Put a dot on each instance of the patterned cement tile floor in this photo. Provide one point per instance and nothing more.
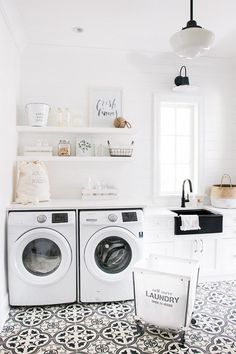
(111, 329)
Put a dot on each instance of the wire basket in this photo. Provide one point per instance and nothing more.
(121, 151)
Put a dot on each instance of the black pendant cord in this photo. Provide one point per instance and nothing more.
(191, 10)
(191, 23)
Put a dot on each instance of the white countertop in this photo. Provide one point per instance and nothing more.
(80, 204)
(150, 209)
(222, 211)
(159, 211)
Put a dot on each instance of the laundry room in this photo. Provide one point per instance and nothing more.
(118, 164)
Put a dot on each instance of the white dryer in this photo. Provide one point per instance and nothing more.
(41, 257)
(110, 242)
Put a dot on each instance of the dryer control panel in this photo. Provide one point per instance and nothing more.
(108, 217)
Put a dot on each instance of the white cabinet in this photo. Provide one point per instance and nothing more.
(216, 252)
(226, 248)
(158, 234)
(161, 248)
(199, 247)
(207, 255)
(185, 248)
(158, 228)
(226, 256)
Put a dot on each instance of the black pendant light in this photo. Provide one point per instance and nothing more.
(192, 40)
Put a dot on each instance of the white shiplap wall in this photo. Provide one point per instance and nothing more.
(61, 76)
(9, 75)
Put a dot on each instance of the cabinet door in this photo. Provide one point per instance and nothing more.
(207, 255)
(186, 248)
(161, 248)
(204, 250)
(226, 256)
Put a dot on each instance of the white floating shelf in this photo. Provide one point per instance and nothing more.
(73, 158)
(75, 130)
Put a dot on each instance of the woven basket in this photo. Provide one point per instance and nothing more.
(224, 195)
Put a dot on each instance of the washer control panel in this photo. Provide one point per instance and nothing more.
(112, 217)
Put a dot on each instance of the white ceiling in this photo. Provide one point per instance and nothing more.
(140, 25)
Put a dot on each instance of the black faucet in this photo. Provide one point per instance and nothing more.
(183, 199)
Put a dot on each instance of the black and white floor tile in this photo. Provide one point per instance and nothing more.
(111, 328)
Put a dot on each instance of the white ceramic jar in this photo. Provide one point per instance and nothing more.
(37, 114)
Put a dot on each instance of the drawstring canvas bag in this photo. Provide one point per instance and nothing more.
(33, 183)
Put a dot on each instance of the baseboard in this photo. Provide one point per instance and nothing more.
(4, 311)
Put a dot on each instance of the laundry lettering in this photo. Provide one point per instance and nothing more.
(163, 298)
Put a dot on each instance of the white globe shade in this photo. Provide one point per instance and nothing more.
(192, 42)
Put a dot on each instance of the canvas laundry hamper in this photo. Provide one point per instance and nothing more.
(164, 291)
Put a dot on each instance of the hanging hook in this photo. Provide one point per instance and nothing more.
(185, 70)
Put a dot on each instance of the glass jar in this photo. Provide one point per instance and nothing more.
(64, 147)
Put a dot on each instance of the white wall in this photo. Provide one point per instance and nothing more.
(61, 76)
(9, 66)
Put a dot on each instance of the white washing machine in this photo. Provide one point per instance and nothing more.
(41, 257)
(110, 242)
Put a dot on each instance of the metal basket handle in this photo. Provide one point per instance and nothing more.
(108, 142)
(229, 178)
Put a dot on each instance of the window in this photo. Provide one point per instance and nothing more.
(177, 146)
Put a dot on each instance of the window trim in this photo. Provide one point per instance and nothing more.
(197, 101)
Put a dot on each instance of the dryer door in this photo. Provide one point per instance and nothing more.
(111, 252)
(42, 256)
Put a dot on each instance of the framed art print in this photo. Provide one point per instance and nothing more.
(105, 104)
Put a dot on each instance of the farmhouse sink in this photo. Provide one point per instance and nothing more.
(209, 222)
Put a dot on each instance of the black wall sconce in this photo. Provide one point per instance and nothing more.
(182, 82)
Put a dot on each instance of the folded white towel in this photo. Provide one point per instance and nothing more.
(189, 222)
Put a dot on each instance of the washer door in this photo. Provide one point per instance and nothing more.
(111, 252)
(41, 256)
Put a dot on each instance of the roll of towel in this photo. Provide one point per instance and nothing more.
(189, 222)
